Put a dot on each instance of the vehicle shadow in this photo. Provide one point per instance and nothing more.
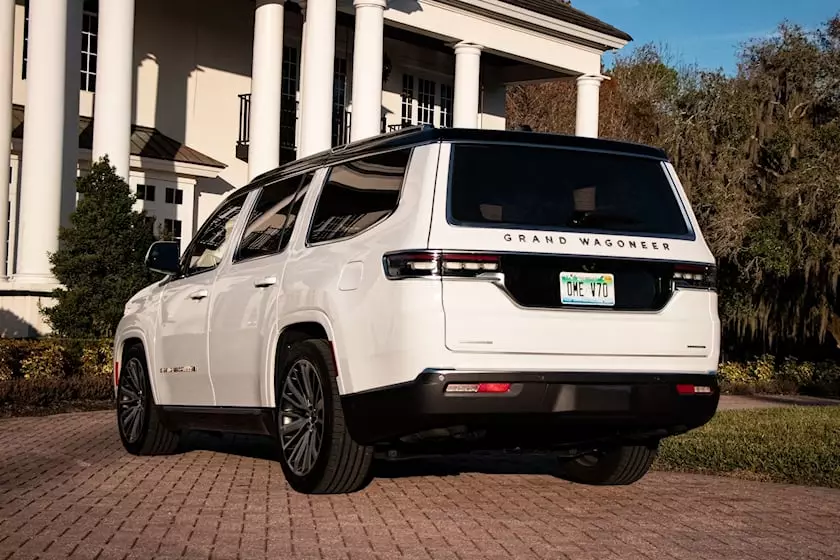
(265, 448)
(251, 446)
(476, 463)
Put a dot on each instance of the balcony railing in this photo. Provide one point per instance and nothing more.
(244, 126)
(400, 126)
(288, 127)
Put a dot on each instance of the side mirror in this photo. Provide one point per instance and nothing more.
(164, 257)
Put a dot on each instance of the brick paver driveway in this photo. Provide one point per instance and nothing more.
(67, 489)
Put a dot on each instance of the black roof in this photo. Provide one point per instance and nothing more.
(554, 9)
(419, 135)
(146, 142)
(565, 12)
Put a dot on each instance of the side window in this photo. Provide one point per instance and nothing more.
(273, 218)
(358, 195)
(208, 248)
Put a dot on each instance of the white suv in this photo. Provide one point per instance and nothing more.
(433, 290)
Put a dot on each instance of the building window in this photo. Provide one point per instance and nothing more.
(430, 103)
(358, 195)
(407, 100)
(90, 24)
(172, 228)
(174, 196)
(425, 102)
(288, 104)
(90, 29)
(339, 134)
(447, 104)
(25, 39)
(146, 192)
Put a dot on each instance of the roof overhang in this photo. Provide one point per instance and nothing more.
(536, 21)
(503, 30)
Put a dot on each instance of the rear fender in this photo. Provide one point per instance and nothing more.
(273, 352)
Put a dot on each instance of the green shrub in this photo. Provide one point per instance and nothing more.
(826, 379)
(800, 373)
(47, 360)
(762, 369)
(97, 360)
(788, 376)
(12, 353)
(734, 372)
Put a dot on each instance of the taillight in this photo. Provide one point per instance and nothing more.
(695, 276)
(416, 264)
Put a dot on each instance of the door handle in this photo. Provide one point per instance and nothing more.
(265, 282)
(200, 294)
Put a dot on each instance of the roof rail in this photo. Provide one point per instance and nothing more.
(393, 134)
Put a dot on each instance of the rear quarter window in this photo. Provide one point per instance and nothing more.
(358, 195)
(532, 187)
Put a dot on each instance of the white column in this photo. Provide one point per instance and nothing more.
(48, 166)
(467, 85)
(317, 77)
(588, 91)
(112, 101)
(7, 53)
(266, 84)
(367, 69)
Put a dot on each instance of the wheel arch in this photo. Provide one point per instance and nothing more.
(300, 326)
(128, 339)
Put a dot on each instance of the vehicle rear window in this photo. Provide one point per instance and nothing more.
(563, 189)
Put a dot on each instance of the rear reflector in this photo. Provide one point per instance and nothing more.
(694, 390)
(478, 388)
(116, 373)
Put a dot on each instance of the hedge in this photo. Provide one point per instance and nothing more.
(46, 371)
(767, 374)
(49, 373)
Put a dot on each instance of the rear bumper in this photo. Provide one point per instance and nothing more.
(542, 409)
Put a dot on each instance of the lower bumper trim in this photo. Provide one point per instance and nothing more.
(540, 408)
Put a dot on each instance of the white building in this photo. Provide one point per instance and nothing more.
(191, 98)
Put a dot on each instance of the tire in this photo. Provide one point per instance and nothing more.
(338, 464)
(138, 419)
(614, 467)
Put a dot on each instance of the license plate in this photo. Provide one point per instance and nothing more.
(585, 288)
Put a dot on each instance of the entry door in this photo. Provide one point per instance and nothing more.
(183, 372)
(243, 312)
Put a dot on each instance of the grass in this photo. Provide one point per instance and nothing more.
(797, 445)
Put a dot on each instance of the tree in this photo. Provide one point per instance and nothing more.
(100, 260)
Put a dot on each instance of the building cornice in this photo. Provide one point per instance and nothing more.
(532, 21)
